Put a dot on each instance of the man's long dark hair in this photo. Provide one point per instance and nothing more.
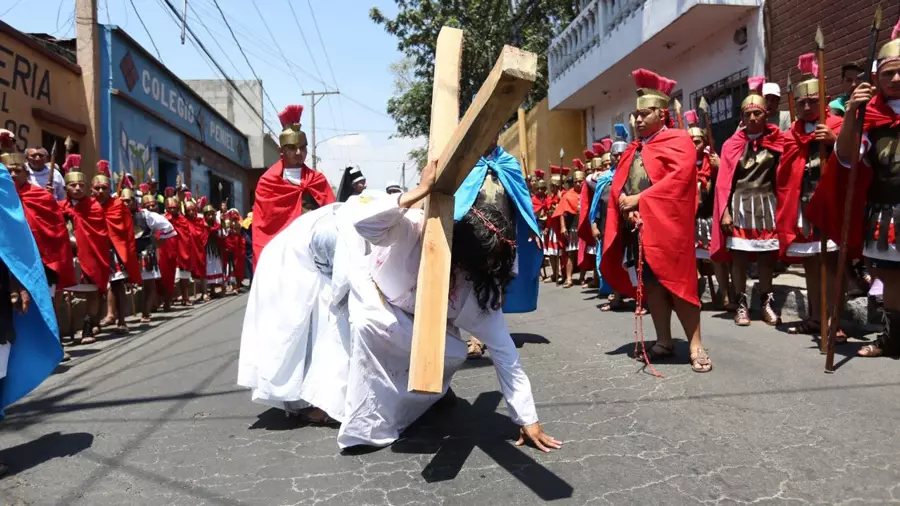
(484, 249)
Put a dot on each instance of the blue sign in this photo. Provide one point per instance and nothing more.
(141, 78)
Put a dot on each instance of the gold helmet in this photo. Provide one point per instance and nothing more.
(127, 193)
(653, 90)
(149, 199)
(208, 208)
(103, 174)
(13, 159)
(290, 120)
(810, 87)
(72, 167)
(755, 100)
(695, 132)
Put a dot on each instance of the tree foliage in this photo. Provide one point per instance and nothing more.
(488, 26)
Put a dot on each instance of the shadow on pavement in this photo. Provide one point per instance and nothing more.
(34, 453)
(453, 428)
(522, 338)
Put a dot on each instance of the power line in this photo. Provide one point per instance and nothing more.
(277, 46)
(158, 55)
(303, 37)
(216, 63)
(241, 49)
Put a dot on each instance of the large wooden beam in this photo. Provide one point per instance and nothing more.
(501, 94)
(427, 355)
(523, 141)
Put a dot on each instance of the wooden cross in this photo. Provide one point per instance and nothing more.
(458, 145)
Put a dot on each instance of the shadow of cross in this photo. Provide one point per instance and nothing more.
(452, 435)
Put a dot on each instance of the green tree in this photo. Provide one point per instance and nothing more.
(488, 26)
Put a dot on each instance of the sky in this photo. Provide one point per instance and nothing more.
(355, 60)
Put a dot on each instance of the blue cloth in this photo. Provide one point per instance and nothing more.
(603, 182)
(36, 351)
(521, 292)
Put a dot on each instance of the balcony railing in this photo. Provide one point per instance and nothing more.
(587, 30)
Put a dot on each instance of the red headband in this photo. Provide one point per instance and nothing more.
(490, 226)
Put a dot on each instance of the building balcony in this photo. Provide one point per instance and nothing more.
(609, 38)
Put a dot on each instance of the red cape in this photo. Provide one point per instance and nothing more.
(827, 205)
(586, 261)
(121, 235)
(790, 178)
(45, 218)
(537, 205)
(91, 239)
(667, 211)
(200, 235)
(567, 204)
(707, 172)
(732, 151)
(278, 202)
(181, 249)
(235, 249)
(167, 255)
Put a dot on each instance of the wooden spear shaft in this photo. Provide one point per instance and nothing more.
(851, 189)
(823, 241)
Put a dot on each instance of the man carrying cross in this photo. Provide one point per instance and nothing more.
(649, 237)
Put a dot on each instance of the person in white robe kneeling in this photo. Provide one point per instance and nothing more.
(372, 403)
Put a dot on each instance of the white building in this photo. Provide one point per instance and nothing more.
(222, 96)
(710, 47)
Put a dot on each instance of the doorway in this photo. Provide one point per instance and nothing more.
(167, 174)
(220, 190)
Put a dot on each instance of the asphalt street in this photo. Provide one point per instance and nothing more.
(156, 418)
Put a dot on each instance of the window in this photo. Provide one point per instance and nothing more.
(724, 98)
(47, 141)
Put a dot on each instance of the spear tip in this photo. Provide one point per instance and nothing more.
(789, 80)
(820, 39)
(876, 23)
(703, 105)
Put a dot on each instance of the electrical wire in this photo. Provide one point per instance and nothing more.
(277, 46)
(158, 55)
(241, 49)
(199, 43)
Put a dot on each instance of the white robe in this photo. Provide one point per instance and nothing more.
(378, 406)
(296, 334)
(342, 343)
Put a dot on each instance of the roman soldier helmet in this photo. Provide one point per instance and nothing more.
(696, 132)
(148, 199)
(606, 144)
(172, 202)
(755, 101)
(579, 169)
(208, 208)
(653, 90)
(890, 51)
(13, 159)
(588, 159)
(72, 167)
(555, 175)
(103, 176)
(618, 147)
(290, 120)
(127, 193)
(691, 119)
(808, 88)
(540, 182)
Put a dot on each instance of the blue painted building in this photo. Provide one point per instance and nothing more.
(152, 123)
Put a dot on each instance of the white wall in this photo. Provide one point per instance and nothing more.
(697, 67)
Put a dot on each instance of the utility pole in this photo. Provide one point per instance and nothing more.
(403, 176)
(313, 102)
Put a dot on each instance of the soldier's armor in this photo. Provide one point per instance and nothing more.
(753, 189)
(638, 180)
(884, 193)
(143, 240)
(812, 173)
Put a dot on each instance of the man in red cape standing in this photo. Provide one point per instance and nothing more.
(653, 198)
(124, 264)
(876, 201)
(199, 237)
(181, 252)
(279, 192)
(92, 246)
(745, 204)
(565, 222)
(798, 175)
(46, 222)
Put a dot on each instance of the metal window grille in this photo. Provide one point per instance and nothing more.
(724, 97)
